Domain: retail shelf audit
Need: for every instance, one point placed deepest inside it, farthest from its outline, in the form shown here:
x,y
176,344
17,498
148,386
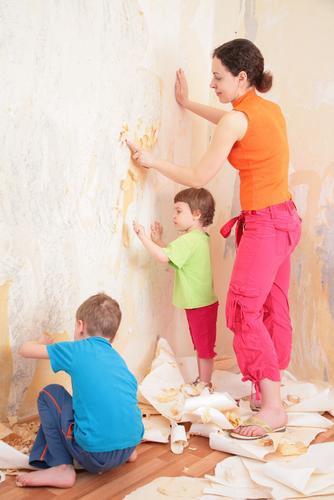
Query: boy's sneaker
x,y
196,388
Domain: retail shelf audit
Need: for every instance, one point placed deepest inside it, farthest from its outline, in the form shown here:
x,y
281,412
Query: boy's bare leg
x,y
60,476
205,368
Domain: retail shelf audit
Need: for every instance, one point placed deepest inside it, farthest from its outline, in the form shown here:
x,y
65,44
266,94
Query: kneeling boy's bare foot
x,y
133,456
61,476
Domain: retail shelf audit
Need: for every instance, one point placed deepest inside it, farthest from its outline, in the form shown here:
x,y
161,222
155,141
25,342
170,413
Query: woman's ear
x,y
243,78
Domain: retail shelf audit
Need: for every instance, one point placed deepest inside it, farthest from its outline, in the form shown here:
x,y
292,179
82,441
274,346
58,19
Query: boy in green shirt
x,y
189,255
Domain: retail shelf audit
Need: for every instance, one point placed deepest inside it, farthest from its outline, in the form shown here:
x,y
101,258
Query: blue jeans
x,y
55,443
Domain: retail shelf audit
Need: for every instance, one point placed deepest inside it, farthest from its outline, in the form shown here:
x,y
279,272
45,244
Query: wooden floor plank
x,y
115,485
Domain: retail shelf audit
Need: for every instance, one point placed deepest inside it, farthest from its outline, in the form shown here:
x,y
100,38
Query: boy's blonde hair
x,y
101,315
198,199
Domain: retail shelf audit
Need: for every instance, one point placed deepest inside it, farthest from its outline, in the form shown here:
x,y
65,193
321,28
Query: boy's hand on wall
x,y
156,232
138,229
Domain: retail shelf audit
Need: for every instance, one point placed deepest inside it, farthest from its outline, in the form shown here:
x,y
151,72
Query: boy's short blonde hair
x,y
198,199
101,315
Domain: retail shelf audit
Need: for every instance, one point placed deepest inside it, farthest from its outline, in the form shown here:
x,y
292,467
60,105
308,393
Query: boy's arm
x,y
155,250
36,348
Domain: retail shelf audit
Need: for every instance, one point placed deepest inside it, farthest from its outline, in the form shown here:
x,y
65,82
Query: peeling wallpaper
x,y
78,78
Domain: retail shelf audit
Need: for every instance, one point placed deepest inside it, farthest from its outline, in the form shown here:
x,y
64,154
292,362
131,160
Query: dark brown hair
x,y
242,55
198,199
101,315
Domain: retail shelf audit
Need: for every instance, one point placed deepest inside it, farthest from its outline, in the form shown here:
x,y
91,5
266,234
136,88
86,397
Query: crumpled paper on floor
x,y
217,408
220,401
173,488
224,381
204,430
232,479
259,449
15,445
10,458
156,429
178,438
307,396
310,474
212,415
162,386
309,419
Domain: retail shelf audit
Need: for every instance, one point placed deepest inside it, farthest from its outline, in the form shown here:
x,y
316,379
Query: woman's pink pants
x,y
257,307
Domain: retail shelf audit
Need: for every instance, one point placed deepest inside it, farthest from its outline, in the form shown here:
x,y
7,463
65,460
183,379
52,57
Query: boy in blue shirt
x,y
101,425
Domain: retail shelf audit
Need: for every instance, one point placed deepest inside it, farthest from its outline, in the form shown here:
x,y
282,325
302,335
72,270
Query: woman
x,y
253,138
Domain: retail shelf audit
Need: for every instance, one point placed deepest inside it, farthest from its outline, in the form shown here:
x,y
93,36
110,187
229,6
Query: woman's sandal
x,y
254,421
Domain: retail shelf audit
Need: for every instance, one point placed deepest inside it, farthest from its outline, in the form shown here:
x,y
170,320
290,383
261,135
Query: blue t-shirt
x,y
106,414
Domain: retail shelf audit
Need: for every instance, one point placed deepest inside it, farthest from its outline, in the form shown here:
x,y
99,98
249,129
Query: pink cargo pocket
x,y
236,306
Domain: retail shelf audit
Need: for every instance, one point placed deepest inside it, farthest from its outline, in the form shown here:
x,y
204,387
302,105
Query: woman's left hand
x,y
140,156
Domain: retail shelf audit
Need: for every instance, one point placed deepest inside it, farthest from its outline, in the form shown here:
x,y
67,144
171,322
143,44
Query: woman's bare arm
x,y
230,129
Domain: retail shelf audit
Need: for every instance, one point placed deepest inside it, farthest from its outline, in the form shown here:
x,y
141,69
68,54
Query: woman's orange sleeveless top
x,y
262,155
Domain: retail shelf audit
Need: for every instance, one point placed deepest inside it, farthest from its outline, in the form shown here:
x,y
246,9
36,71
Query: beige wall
x,y
76,77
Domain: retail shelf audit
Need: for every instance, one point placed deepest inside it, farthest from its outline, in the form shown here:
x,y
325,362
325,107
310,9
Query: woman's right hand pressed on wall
x,y
181,88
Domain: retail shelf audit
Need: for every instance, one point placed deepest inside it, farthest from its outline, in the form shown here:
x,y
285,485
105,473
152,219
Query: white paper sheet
x,y
232,479
289,481
313,397
218,400
157,429
10,458
198,429
214,416
173,488
222,441
224,381
163,354
308,419
178,438
161,388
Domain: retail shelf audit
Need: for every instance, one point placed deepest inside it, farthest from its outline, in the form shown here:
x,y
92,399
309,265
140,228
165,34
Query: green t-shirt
x,y
190,256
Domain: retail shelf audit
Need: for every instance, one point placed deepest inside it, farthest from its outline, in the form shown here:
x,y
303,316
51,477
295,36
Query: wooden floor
x,y
154,460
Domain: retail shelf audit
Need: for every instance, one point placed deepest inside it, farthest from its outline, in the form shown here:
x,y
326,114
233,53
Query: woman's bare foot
x,y
60,476
133,456
275,417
